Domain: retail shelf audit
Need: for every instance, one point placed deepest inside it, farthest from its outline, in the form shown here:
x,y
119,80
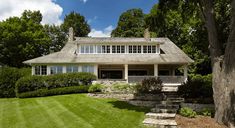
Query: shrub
x,y
122,88
149,85
54,91
207,112
96,88
34,83
8,78
197,86
187,112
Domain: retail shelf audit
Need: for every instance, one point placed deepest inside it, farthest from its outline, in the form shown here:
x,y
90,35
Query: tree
x,y
22,39
78,22
57,37
215,14
223,60
181,22
131,24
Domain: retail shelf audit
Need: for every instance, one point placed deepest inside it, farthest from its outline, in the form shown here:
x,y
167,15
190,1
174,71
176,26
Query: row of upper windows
x,y
42,70
84,49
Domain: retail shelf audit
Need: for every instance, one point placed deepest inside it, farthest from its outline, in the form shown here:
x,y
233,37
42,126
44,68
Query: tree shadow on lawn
x,y
125,105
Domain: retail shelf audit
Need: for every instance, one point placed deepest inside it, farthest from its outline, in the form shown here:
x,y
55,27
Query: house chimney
x,y
71,34
147,34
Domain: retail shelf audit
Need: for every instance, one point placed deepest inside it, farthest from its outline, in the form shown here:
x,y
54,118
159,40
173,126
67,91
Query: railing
x,y
165,79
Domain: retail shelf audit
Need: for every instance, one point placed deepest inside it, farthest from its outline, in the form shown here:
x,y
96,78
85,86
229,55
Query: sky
x,y
101,15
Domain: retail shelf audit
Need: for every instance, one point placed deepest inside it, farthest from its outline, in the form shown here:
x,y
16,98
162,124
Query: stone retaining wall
x,y
197,107
111,95
143,100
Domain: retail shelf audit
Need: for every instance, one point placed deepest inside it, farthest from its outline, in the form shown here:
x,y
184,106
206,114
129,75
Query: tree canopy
x,y
57,37
131,24
78,22
181,22
22,38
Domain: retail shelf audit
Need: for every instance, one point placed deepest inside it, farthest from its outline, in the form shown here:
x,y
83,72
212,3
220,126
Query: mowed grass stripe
x,y
34,114
1,113
20,118
69,111
101,112
69,117
85,108
9,109
51,112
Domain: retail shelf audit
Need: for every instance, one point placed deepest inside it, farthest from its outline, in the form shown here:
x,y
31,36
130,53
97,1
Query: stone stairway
x,y
163,114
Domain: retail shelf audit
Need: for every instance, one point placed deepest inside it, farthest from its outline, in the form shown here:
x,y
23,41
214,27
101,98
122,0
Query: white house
x,y
127,59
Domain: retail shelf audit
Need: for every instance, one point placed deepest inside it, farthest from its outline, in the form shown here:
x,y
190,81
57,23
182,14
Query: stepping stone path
x,y
163,114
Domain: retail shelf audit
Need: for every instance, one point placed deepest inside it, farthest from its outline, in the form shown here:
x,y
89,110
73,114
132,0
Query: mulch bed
x,y
198,122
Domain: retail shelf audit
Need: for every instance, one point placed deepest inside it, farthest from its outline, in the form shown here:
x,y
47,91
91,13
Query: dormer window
x,y
113,49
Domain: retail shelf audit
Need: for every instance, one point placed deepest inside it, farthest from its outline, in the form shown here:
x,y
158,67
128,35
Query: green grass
x,y
69,111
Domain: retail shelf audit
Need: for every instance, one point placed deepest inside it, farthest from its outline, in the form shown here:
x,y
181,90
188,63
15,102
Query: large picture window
x,y
41,70
56,69
71,68
88,68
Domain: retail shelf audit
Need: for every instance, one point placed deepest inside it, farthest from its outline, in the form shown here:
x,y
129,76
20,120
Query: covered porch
x,y
133,73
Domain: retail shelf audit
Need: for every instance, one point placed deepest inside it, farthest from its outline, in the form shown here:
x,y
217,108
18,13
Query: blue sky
x,y
102,15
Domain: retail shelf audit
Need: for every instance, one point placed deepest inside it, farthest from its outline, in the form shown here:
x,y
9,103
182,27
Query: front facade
x,y
125,59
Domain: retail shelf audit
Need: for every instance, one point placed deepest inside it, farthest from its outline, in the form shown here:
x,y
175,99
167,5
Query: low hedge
x,y
34,83
55,91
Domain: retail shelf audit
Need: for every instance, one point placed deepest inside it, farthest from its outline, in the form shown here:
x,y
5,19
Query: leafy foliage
x,y
96,88
78,22
123,88
181,22
8,77
54,91
197,86
57,37
187,112
131,24
207,112
34,83
22,39
149,85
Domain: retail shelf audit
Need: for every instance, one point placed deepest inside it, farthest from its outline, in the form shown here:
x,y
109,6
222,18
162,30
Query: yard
x,y
69,111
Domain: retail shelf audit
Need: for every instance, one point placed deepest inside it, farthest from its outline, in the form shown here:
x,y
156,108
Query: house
x,y
126,59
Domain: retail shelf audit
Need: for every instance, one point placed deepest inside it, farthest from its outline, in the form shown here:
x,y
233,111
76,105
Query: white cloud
x,y
92,20
51,11
101,33
84,1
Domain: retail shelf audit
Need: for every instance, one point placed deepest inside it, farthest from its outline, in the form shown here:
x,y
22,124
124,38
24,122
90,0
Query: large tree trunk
x,y
223,66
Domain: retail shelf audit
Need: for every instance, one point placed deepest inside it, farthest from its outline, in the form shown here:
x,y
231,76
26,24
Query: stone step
x,y
169,89
143,103
173,99
162,110
167,106
160,123
161,115
171,102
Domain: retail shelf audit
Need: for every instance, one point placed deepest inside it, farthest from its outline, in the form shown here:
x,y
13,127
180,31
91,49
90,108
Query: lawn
x,y
69,111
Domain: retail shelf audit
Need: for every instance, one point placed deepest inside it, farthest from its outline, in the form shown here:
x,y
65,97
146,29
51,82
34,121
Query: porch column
x,y
96,70
126,72
156,70
185,73
33,70
173,72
